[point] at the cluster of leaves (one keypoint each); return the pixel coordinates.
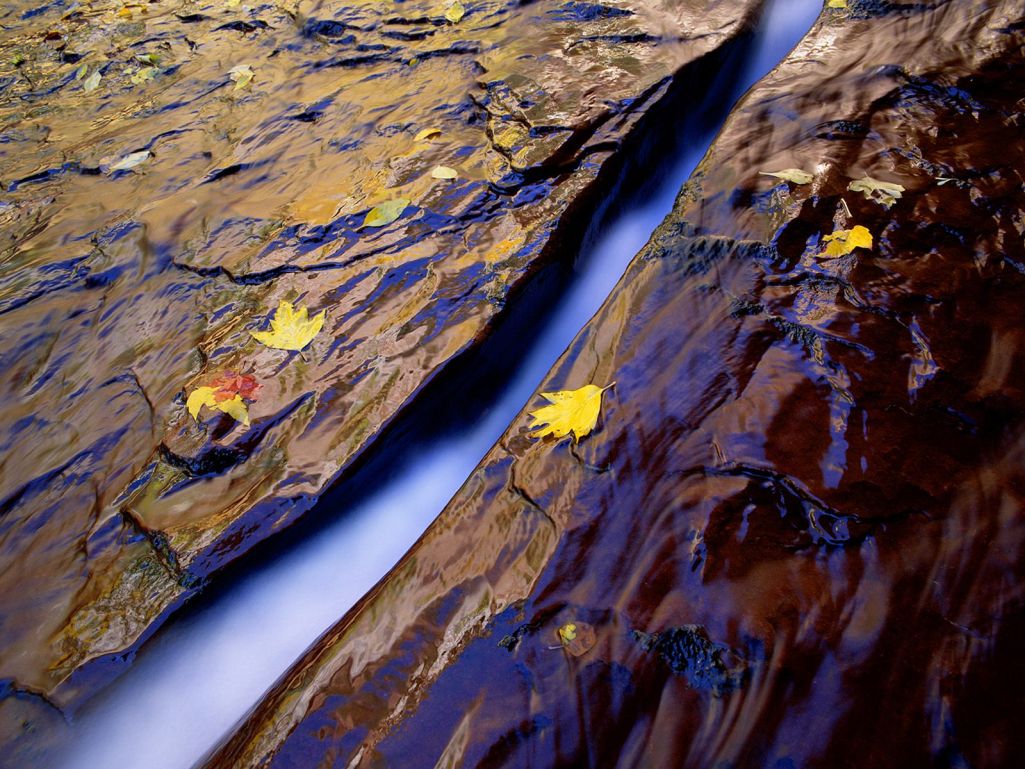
(227, 393)
(291, 329)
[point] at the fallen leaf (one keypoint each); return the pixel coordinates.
(836, 4)
(143, 75)
(885, 193)
(795, 175)
(92, 82)
(152, 59)
(226, 393)
(241, 75)
(290, 329)
(427, 134)
(844, 241)
(576, 637)
(232, 3)
(573, 411)
(455, 12)
(80, 72)
(128, 162)
(385, 213)
(444, 172)
(230, 384)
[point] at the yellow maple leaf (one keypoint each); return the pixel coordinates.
(290, 329)
(843, 242)
(571, 411)
(455, 12)
(577, 638)
(206, 396)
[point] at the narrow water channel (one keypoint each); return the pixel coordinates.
(202, 672)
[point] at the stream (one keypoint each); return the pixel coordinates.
(202, 672)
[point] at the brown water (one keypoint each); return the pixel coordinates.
(157, 206)
(798, 535)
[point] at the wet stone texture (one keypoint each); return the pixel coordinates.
(156, 206)
(798, 532)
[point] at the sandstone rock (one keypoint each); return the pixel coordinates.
(151, 221)
(798, 533)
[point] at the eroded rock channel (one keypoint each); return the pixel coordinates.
(796, 539)
(174, 170)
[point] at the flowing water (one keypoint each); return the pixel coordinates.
(201, 673)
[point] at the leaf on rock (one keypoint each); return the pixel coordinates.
(571, 411)
(92, 82)
(290, 329)
(795, 175)
(144, 75)
(884, 193)
(427, 134)
(226, 393)
(241, 75)
(576, 637)
(151, 59)
(444, 172)
(843, 242)
(386, 213)
(128, 162)
(455, 12)
(836, 4)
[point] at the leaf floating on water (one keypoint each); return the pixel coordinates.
(795, 175)
(241, 75)
(226, 393)
(576, 637)
(92, 82)
(386, 213)
(427, 134)
(843, 242)
(455, 12)
(143, 75)
(884, 193)
(128, 162)
(290, 329)
(444, 172)
(571, 411)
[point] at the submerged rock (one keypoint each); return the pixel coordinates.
(171, 172)
(817, 457)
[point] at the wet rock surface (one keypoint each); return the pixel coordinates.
(808, 481)
(157, 205)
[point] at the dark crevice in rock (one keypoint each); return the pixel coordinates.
(689, 652)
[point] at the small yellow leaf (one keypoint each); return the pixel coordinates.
(843, 242)
(571, 411)
(427, 134)
(129, 162)
(836, 4)
(576, 637)
(241, 75)
(795, 175)
(290, 329)
(567, 633)
(386, 213)
(444, 172)
(235, 409)
(455, 12)
(143, 75)
(884, 193)
(92, 82)
(201, 396)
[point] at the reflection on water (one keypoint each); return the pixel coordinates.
(202, 673)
